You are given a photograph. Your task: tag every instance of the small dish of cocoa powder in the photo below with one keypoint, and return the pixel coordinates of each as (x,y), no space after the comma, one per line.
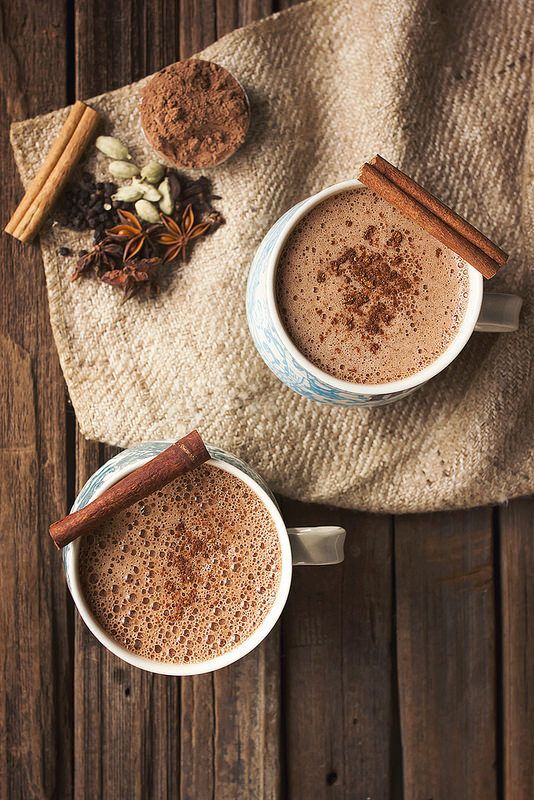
(194,114)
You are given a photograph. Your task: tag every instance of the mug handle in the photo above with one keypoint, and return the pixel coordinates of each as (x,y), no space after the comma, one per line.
(499,313)
(317,546)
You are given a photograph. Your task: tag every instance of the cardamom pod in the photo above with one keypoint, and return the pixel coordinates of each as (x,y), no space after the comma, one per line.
(150,193)
(112,148)
(153,172)
(123,169)
(166,203)
(127,194)
(147,191)
(146,211)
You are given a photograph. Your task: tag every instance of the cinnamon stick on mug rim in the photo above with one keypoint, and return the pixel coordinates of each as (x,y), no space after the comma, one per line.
(182,456)
(54,172)
(419,205)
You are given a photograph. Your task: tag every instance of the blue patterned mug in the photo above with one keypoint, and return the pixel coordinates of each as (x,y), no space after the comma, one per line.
(485,312)
(298,546)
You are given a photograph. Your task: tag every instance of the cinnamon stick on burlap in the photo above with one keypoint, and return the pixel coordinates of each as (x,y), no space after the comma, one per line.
(55,171)
(184,455)
(416,203)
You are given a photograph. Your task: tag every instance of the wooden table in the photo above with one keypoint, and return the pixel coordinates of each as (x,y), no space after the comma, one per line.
(408,672)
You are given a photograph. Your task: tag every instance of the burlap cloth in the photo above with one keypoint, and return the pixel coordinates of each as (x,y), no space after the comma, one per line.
(442,89)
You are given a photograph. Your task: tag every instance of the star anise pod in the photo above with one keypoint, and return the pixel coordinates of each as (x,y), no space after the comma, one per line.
(131,233)
(101,259)
(177,236)
(134,276)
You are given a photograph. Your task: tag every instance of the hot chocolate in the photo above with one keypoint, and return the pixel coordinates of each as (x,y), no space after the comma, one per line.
(186,574)
(365,294)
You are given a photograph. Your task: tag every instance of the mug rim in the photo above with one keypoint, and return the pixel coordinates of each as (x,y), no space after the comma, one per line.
(71,567)
(463,335)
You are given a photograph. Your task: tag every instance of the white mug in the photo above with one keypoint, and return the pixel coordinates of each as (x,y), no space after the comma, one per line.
(321,545)
(485,312)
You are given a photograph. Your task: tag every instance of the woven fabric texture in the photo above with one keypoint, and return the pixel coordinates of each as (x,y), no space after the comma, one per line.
(439,88)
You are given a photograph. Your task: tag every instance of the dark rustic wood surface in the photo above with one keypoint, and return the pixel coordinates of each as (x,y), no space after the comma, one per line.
(407,672)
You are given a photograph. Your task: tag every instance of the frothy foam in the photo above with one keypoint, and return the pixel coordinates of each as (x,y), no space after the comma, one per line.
(187,574)
(365,294)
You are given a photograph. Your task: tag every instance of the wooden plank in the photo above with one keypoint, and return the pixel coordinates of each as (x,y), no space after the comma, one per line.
(338,680)
(446,654)
(127,721)
(230,729)
(230,720)
(517,599)
(122,41)
(229,723)
(35,658)
(197,25)
(283,4)
(232,14)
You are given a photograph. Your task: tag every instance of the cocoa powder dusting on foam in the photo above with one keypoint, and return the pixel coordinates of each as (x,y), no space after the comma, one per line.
(375,290)
(395,240)
(186,574)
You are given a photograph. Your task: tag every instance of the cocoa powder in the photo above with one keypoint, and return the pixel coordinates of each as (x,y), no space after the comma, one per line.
(377,287)
(194,114)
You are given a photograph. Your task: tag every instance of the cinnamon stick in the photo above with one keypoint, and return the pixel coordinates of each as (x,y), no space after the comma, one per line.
(56,169)
(430,213)
(184,455)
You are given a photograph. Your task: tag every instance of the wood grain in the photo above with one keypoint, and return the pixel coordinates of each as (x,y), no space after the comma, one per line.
(127,721)
(232,14)
(517,580)
(231,729)
(231,719)
(120,42)
(338,690)
(314,715)
(197,26)
(35,651)
(446,654)
(127,741)
(228,738)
